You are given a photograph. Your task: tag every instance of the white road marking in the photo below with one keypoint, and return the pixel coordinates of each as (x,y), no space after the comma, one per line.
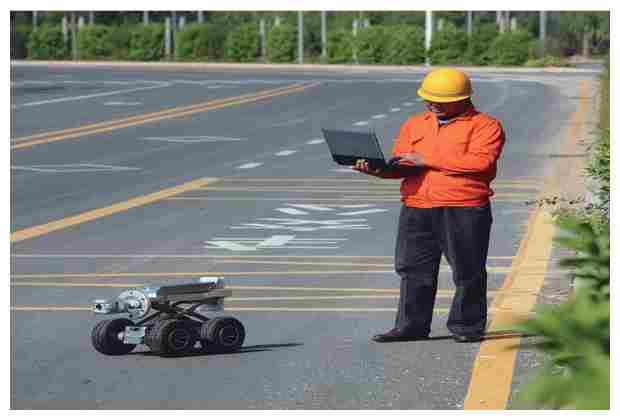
(378,116)
(361,123)
(394,109)
(121,103)
(71,168)
(286,152)
(315,141)
(94,95)
(407,104)
(294,212)
(250,165)
(355,213)
(311,207)
(192,139)
(347,170)
(272,242)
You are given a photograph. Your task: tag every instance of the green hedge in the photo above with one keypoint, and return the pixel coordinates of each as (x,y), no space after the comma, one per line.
(448,46)
(479,44)
(46,43)
(147,42)
(340,46)
(243,43)
(94,42)
(200,41)
(511,48)
(370,44)
(404,45)
(281,44)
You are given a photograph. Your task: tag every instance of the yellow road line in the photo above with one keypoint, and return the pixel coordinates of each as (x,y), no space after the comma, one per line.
(105,126)
(34,231)
(491,378)
(392,198)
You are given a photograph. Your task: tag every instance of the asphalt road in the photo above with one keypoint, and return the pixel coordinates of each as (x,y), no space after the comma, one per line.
(251,194)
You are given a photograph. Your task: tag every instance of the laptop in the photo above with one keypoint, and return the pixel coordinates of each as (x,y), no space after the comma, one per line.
(347,147)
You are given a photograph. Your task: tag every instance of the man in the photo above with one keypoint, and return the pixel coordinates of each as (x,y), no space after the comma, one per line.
(447,159)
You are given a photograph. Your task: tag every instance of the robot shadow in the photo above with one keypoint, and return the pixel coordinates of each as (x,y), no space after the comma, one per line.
(206,352)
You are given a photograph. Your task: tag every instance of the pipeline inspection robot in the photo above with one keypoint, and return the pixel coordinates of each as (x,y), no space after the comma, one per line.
(170,319)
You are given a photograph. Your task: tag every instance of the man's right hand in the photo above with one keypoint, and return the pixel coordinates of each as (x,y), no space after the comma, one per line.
(361,165)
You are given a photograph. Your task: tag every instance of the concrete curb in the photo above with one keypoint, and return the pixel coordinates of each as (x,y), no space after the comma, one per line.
(351,68)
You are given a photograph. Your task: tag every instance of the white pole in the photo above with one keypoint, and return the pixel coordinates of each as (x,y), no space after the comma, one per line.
(355,23)
(91,18)
(201,17)
(300,37)
(145,18)
(168,38)
(428,34)
(470,23)
(263,39)
(324,36)
(543,32)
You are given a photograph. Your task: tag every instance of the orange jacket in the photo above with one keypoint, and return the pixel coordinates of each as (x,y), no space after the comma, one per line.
(460,159)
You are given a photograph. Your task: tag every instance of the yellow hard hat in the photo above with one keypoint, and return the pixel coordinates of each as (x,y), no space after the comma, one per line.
(445,85)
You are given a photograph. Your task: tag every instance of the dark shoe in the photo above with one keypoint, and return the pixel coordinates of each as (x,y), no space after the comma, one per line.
(395,335)
(467,338)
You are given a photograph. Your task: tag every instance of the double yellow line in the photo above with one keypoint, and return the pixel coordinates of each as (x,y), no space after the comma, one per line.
(86,130)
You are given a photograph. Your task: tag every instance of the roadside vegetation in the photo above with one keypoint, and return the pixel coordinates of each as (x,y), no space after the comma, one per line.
(380,38)
(575,335)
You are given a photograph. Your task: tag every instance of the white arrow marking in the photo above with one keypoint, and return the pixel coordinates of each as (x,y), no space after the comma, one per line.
(294,212)
(250,165)
(286,152)
(355,213)
(311,207)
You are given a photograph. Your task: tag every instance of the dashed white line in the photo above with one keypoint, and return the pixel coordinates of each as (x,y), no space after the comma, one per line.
(407,104)
(286,152)
(315,141)
(360,123)
(378,116)
(250,165)
(394,109)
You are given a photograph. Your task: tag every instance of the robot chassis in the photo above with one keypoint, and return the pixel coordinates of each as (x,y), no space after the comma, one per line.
(174,327)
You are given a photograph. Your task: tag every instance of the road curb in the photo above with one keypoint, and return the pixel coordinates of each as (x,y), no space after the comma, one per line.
(351,68)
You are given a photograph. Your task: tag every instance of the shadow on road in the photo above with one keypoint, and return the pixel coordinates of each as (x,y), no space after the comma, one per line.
(200,352)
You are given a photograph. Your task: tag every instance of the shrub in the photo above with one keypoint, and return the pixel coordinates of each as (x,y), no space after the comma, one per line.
(19,40)
(120,39)
(243,43)
(404,45)
(370,44)
(281,44)
(546,61)
(94,42)
(200,41)
(511,48)
(147,42)
(340,46)
(479,44)
(46,42)
(448,46)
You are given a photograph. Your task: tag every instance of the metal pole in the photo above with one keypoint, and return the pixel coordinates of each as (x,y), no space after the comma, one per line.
(91,18)
(263,39)
(74,29)
(355,23)
(470,23)
(145,18)
(201,17)
(428,35)
(168,38)
(300,37)
(80,22)
(181,22)
(543,32)
(65,31)
(174,21)
(34,20)
(323,37)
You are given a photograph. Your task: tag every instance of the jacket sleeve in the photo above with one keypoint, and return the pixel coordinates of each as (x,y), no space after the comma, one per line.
(483,151)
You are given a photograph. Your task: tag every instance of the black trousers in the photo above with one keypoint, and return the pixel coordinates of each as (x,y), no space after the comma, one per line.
(462,235)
